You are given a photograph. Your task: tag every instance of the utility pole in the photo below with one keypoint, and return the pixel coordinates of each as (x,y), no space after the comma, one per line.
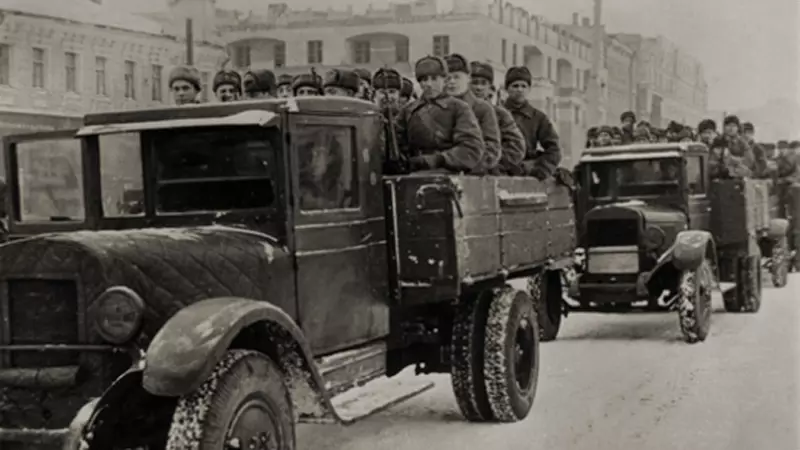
(189,43)
(598,43)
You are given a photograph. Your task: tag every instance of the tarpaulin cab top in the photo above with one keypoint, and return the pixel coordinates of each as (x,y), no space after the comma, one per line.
(642,151)
(326,106)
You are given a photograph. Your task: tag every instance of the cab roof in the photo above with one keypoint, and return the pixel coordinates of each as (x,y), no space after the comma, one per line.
(314,105)
(642,151)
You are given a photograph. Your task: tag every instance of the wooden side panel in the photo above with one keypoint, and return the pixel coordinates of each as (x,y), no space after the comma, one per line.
(739,208)
(477,233)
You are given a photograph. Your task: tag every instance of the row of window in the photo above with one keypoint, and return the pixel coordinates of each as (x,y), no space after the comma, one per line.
(40,70)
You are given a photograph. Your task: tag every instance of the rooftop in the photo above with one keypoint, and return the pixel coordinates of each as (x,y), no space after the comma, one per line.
(83,11)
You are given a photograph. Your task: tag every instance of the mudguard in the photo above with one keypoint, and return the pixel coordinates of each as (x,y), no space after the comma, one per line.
(690,248)
(777,228)
(185,351)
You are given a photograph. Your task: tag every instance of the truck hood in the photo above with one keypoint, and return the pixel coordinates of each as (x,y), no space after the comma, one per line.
(169,268)
(636,209)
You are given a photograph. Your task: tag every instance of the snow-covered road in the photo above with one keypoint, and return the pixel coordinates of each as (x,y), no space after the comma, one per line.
(624,382)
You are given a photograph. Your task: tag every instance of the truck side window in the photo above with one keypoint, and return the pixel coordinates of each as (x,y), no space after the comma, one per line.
(328,167)
(695,179)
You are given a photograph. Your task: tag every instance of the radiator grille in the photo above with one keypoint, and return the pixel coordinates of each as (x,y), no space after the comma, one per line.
(612,232)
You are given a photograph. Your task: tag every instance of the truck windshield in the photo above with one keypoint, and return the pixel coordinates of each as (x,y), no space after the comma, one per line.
(635,179)
(50,180)
(196,170)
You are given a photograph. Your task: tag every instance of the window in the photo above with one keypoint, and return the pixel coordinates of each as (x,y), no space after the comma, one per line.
(549,68)
(640,178)
(695,176)
(577,113)
(328,168)
(241,56)
(38,68)
(314,52)
(216,169)
(100,76)
(362,50)
(503,45)
(514,54)
(71,71)
(441,45)
(130,80)
(205,85)
(280,54)
(401,51)
(158,83)
(5,64)
(50,180)
(121,175)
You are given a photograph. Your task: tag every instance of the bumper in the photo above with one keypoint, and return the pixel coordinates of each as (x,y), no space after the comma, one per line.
(608,290)
(50,438)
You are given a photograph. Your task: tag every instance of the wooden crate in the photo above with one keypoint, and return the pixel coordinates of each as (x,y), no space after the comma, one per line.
(453,231)
(740,209)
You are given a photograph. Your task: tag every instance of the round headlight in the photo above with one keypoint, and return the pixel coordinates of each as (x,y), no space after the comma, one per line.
(653,238)
(119,314)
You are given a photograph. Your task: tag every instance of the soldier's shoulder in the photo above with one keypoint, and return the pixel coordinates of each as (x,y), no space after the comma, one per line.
(456,103)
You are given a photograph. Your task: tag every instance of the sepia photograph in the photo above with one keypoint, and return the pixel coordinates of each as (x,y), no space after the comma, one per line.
(399,225)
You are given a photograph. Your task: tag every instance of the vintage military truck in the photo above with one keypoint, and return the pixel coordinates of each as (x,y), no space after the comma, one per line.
(657,232)
(200,277)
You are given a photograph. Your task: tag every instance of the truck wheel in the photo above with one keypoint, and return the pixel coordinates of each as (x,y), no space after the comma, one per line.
(694,303)
(243,404)
(752,286)
(511,368)
(467,357)
(779,268)
(545,290)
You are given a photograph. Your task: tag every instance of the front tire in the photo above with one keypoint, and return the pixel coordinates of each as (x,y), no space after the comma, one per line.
(780,262)
(243,404)
(694,303)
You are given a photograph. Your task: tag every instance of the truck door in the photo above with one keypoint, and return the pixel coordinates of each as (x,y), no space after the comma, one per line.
(339,230)
(44,172)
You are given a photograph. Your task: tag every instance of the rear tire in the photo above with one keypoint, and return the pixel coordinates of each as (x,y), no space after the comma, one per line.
(780,262)
(243,404)
(546,291)
(511,368)
(752,288)
(467,357)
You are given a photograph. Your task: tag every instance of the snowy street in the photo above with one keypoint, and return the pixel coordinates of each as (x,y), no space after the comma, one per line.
(620,382)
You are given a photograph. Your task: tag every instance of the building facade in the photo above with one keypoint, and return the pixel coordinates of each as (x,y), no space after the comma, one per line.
(671,83)
(504,36)
(59,62)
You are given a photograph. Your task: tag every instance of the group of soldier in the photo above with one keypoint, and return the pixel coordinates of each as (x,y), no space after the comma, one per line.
(734,151)
(456,124)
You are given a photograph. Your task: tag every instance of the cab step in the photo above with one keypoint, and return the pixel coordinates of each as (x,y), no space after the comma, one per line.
(343,370)
(374,397)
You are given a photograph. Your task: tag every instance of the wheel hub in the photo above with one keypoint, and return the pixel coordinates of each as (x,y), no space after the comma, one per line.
(524,354)
(253,427)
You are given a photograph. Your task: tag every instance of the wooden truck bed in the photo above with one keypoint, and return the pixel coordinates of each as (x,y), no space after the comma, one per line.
(452,231)
(740,209)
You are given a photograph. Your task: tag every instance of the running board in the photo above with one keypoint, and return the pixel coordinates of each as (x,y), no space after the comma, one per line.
(372,398)
(344,370)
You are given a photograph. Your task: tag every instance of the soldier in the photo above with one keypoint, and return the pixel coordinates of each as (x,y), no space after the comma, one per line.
(227,85)
(735,144)
(260,83)
(723,163)
(760,163)
(641,135)
(512,142)
(458,83)
(672,131)
(285,86)
(605,137)
(628,119)
(387,86)
(306,85)
(342,83)
(616,136)
(707,131)
(684,135)
(365,84)
(438,131)
(591,137)
(787,161)
(184,82)
(407,92)
(660,135)
(534,124)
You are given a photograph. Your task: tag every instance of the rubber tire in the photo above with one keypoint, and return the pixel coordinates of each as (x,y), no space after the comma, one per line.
(201,418)
(753,287)
(467,357)
(548,303)
(779,273)
(694,307)
(510,309)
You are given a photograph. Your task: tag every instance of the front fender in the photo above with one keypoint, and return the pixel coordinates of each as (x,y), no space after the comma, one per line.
(777,228)
(691,247)
(184,352)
